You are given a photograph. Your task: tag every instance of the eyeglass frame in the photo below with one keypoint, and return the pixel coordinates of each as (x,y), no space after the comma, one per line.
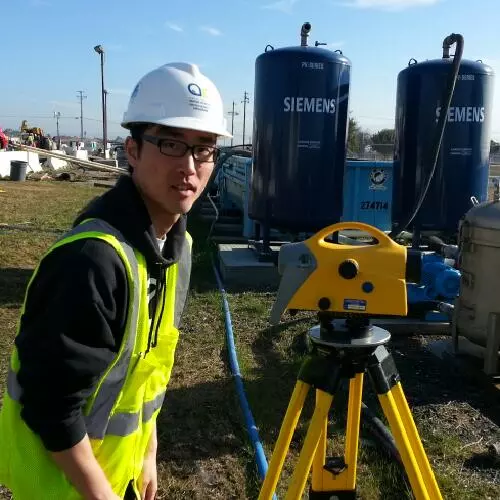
(157,141)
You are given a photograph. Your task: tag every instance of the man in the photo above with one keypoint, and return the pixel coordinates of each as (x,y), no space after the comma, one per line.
(98,329)
(46,142)
(4,142)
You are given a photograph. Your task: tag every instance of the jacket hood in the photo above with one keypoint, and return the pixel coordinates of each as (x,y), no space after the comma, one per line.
(122,207)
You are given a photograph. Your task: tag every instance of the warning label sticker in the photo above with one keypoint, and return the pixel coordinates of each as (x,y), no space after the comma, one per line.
(303,144)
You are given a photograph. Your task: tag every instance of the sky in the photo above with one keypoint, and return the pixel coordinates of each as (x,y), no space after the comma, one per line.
(48,55)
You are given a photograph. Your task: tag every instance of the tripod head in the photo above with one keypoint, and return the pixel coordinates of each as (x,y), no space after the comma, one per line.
(346,285)
(346,281)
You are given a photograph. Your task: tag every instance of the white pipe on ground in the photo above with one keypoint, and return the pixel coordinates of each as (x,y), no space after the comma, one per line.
(85,163)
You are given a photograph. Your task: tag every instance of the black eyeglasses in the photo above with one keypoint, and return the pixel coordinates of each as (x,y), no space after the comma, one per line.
(177,149)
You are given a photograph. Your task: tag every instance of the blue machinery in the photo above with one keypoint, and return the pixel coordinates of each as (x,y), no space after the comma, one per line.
(367,198)
(367,191)
(297,180)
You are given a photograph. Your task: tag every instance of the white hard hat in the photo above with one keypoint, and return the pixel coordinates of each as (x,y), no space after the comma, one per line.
(177,95)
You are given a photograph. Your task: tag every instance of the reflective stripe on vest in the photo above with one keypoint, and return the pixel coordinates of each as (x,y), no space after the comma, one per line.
(99,421)
(182,284)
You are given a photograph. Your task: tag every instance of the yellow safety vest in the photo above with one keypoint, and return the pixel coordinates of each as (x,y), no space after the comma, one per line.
(120,414)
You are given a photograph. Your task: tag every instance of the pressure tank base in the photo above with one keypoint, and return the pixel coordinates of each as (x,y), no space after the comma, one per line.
(468,360)
(241,268)
(411,326)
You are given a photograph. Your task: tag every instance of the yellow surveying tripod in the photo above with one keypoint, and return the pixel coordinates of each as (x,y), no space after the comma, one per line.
(347,284)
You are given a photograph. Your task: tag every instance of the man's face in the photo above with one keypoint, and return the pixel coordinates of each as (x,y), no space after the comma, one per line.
(170,184)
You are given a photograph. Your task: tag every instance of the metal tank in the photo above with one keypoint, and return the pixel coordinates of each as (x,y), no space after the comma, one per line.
(476,322)
(461,174)
(299,136)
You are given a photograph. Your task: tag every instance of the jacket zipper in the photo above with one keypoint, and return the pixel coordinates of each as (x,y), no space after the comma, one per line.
(156,318)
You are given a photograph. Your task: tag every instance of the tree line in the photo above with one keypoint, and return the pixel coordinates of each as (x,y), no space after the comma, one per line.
(359,141)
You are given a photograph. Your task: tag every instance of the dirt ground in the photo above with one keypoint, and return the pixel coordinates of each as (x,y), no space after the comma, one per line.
(204,450)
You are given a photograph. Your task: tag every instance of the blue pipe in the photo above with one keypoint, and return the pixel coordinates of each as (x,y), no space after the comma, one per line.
(235,369)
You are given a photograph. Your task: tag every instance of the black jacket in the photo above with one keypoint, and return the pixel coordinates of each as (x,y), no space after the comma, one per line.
(76,312)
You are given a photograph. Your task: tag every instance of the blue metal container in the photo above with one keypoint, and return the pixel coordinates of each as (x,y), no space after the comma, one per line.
(299,137)
(368,193)
(462,169)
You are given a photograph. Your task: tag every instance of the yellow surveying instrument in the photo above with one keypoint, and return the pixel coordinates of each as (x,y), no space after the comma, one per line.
(347,285)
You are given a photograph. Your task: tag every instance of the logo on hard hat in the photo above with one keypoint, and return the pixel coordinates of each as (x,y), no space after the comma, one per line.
(197,90)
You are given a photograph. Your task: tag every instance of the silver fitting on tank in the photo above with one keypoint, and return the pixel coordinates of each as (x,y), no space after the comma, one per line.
(449,41)
(304,33)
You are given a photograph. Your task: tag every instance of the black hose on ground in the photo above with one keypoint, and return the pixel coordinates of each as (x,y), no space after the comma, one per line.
(380,432)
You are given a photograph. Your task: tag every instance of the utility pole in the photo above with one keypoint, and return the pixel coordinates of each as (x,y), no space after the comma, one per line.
(233,113)
(57,115)
(105,117)
(99,49)
(82,97)
(245,102)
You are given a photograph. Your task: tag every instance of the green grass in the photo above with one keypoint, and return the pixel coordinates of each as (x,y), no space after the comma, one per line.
(204,450)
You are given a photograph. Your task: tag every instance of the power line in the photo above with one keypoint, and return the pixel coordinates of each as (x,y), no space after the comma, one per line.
(385,118)
(25,116)
(100,120)
(61,118)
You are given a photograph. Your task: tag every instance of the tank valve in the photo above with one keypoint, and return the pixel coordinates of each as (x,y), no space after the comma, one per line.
(449,41)
(304,33)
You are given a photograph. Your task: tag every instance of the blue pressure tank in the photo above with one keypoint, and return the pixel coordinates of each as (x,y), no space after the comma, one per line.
(462,170)
(299,137)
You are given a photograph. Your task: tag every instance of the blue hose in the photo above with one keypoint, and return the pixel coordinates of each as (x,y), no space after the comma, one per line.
(235,369)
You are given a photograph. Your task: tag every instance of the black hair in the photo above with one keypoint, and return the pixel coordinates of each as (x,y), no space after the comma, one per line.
(136,132)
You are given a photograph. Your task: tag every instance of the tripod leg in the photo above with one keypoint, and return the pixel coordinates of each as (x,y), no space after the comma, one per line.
(353,425)
(285,436)
(319,456)
(390,394)
(408,442)
(324,481)
(316,428)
